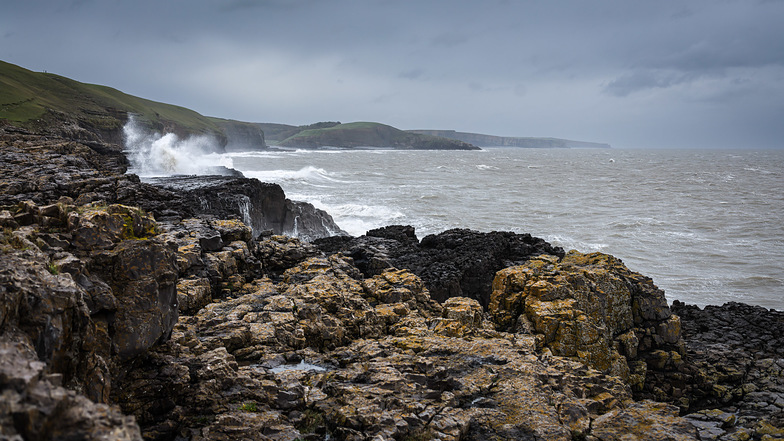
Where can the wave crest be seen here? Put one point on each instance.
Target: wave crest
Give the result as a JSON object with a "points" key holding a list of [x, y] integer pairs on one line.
{"points": [[155, 154]]}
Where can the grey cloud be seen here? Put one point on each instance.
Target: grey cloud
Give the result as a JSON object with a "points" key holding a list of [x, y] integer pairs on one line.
{"points": [[449, 39], [412, 74], [441, 62], [639, 80]]}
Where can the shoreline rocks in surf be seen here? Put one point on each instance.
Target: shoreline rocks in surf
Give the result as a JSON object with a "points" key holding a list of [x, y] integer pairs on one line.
{"points": [[44, 169], [119, 324]]}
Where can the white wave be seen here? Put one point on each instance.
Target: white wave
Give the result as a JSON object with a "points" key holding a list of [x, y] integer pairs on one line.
{"points": [[569, 243], [154, 154], [308, 175], [354, 218], [486, 167]]}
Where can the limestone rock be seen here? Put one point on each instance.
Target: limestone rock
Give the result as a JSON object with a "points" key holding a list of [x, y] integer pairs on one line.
{"points": [[143, 277], [32, 407], [587, 306]]}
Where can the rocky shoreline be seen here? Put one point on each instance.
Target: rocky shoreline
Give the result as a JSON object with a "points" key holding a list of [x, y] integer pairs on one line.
{"points": [[180, 311]]}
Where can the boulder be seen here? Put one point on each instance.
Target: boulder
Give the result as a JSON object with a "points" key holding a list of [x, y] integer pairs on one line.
{"points": [[143, 278], [590, 307]]}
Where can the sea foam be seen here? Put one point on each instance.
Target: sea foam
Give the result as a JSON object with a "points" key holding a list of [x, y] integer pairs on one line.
{"points": [[156, 154]]}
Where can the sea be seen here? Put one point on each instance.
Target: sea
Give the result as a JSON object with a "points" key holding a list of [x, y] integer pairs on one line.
{"points": [[706, 225]]}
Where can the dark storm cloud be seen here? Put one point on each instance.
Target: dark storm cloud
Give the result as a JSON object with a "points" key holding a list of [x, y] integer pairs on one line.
{"points": [[667, 73]]}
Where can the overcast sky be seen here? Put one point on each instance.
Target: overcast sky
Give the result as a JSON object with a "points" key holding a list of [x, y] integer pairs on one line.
{"points": [[631, 73]]}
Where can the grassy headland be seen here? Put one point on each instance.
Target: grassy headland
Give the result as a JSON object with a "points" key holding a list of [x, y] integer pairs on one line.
{"points": [[369, 134], [46, 101]]}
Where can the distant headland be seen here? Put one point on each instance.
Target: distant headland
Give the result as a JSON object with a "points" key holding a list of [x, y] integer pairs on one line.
{"points": [[481, 140], [46, 102]]}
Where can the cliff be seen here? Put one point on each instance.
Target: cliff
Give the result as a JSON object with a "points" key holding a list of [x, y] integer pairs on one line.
{"points": [[506, 141], [368, 134], [241, 136], [53, 104], [279, 132]]}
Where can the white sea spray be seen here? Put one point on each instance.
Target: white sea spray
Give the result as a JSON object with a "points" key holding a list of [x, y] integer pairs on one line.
{"points": [[156, 154]]}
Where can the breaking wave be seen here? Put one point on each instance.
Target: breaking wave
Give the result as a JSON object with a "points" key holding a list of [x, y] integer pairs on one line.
{"points": [[154, 154]]}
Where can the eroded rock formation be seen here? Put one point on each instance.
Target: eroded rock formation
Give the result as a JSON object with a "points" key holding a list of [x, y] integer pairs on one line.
{"points": [[44, 169], [117, 323]]}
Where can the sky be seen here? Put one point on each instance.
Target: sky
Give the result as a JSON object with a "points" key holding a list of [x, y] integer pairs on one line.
{"points": [[632, 73]]}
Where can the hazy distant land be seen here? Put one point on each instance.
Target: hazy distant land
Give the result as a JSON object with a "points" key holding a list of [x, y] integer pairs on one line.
{"points": [[50, 102], [481, 140]]}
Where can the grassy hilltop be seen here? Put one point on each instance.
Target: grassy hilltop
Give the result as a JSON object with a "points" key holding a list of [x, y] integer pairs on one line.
{"points": [[50, 102], [364, 134]]}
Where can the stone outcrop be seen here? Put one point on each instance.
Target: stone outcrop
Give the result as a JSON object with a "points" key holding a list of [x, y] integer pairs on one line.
{"points": [[323, 350], [44, 169], [260, 205], [382, 359], [455, 263], [118, 323], [733, 371], [592, 308], [35, 407]]}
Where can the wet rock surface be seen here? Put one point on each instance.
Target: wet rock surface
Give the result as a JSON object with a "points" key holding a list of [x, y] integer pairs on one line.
{"points": [[734, 370], [455, 263], [120, 322], [43, 169]]}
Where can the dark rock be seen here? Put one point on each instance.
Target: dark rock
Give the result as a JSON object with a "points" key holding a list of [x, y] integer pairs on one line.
{"points": [[211, 241], [143, 278], [42, 170], [262, 206], [34, 407], [453, 263], [733, 362]]}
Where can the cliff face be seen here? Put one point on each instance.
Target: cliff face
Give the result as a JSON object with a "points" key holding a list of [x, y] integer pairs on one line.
{"points": [[44, 169], [383, 358], [241, 136], [508, 141]]}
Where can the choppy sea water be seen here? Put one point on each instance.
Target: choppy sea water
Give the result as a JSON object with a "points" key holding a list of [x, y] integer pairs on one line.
{"points": [[707, 226]]}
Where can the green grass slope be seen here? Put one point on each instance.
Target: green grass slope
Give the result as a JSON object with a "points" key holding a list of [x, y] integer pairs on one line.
{"points": [[44, 101], [370, 134]]}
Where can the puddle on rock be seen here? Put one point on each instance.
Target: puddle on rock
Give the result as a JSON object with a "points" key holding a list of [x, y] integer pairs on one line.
{"points": [[301, 366]]}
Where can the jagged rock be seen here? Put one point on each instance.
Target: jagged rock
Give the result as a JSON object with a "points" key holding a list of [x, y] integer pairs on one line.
{"points": [[591, 307], [731, 378], [143, 277], [643, 420], [44, 169], [261, 206], [279, 253], [455, 263], [232, 230], [33, 406], [284, 342], [193, 294], [85, 314], [48, 312]]}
